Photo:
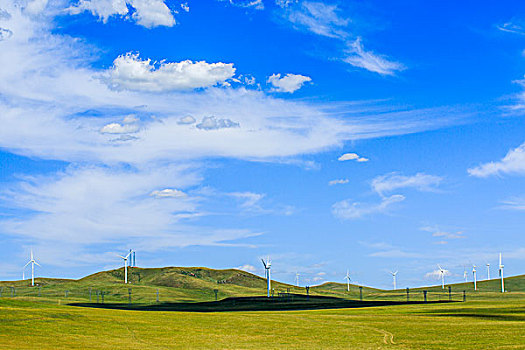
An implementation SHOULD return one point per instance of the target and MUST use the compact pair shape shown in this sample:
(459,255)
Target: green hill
(197,284)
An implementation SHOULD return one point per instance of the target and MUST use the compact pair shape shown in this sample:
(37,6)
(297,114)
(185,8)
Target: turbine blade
(29,262)
(37,263)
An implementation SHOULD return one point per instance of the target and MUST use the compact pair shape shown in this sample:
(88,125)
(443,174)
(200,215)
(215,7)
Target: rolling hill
(197,284)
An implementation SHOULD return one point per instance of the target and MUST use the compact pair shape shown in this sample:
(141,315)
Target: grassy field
(496,324)
(487,320)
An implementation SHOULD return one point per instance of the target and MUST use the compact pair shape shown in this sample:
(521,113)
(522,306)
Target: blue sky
(369,136)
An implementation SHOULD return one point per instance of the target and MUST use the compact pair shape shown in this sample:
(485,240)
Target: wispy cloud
(393,181)
(357,56)
(386,250)
(436,274)
(338,182)
(319,18)
(512,163)
(443,235)
(326,20)
(347,209)
(512,27)
(253,4)
(516,203)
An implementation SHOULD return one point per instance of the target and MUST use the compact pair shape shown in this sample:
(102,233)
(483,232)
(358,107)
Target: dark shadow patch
(289,302)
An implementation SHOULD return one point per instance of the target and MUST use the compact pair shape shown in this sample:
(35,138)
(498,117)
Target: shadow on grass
(290,302)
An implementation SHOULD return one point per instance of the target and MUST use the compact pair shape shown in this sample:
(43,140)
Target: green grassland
(497,324)
(487,320)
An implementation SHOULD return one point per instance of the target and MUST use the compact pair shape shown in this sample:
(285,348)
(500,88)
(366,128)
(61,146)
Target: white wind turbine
(394,277)
(465,274)
(125,258)
(32,262)
(488,271)
(267,265)
(501,274)
(347,278)
(297,279)
(474,276)
(442,272)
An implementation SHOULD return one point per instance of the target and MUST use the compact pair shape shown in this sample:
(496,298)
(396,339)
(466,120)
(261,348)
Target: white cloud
(152,13)
(255,4)
(116,128)
(386,250)
(516,203)
(5,34)
(285,3)
(185,7)
(436,274)
(338,182)
(168,193)
(347,209)
(512,163)
(511,27)
(213,123)
(394,181)
(247,267)
(354,210)
(288,83)
(250,200)
(130,119)
(50,90)
(352,156)
(436,232)
(129,72)
(4,14)
(187,120)
(147,13)
(317,17)
(357,56)
(36,6)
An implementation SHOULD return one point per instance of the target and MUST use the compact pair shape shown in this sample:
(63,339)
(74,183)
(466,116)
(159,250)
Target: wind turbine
(297,279)
(442,272)
(488,271)
(267,265)
(394,277)
(474,276)
(32,262)
(347,278)
(465,274)
(501,274)
(126,265)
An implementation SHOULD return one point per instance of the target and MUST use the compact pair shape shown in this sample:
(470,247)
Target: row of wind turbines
(267,268)
(474,276)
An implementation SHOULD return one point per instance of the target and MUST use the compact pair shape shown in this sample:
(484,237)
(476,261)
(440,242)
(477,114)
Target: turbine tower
(267,265)
(465,274)
(32,262)
(488,271)
(297,279)
(394,277)
(501,274)
(125,258)
(474,276)
(442,272)
(347,278)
